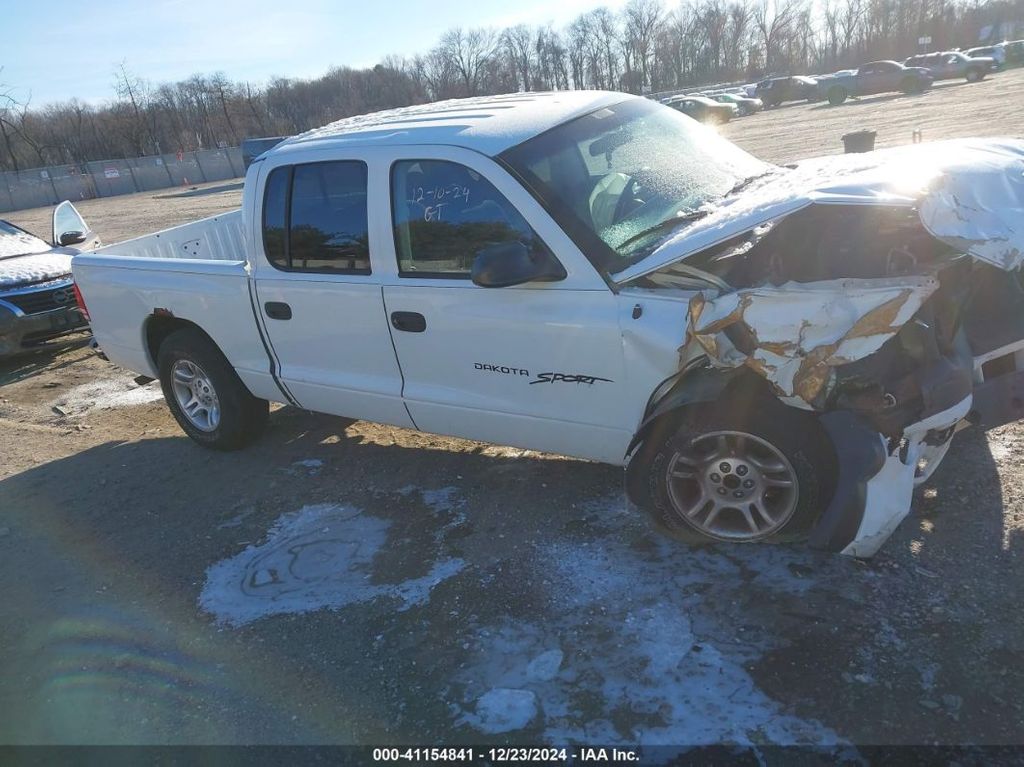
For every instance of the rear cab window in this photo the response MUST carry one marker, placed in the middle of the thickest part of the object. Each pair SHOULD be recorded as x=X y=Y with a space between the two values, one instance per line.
x=315 y=218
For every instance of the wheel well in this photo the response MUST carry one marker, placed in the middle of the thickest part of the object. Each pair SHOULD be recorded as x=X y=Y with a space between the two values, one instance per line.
x=159 y=327
x=696 y=387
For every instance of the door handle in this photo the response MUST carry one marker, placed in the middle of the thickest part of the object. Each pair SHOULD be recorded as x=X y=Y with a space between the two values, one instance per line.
x=278 y=310
x=410 y=322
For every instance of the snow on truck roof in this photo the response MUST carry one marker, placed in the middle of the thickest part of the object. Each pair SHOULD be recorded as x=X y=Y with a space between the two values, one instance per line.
x=488 y=124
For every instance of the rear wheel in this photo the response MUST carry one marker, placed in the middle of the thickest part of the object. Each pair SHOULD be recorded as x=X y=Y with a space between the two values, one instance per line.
x=837 y=95
x=717 y=477
x=974 y=75
x=205 y=395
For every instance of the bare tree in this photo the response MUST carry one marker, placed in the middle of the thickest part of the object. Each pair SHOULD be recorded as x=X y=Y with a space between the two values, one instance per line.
x=136 y=90
x=468 y=52
x=642 y=20
x=774 y=20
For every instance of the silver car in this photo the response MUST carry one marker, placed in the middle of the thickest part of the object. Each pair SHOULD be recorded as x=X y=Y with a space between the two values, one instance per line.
x=37 y=295
x=952 y=65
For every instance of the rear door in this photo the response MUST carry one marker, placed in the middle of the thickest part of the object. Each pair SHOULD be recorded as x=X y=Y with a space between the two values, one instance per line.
x=318 y=298
x=538 y=365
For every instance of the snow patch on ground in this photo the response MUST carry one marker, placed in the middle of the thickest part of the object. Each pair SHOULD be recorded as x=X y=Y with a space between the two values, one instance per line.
x=444 y=503
x=117 y=391
x=318 y=557
x=629 y=650
x=308 y=467
x=503 y=710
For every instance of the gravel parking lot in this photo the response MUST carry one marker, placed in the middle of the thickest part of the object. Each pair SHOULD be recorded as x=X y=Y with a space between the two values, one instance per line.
x=346 y=582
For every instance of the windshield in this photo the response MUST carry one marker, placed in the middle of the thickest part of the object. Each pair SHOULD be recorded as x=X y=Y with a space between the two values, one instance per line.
x=616 y=178
x=18 y=242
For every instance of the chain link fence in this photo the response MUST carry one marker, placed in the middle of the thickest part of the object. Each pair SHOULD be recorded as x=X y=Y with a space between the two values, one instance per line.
x=39 y=187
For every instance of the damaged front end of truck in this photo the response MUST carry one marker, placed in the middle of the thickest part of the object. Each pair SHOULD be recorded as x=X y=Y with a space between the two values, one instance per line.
x=880 y=292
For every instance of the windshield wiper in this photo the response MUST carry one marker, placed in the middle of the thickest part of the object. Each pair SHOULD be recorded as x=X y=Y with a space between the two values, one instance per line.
x=742 y=184
x=667 y=224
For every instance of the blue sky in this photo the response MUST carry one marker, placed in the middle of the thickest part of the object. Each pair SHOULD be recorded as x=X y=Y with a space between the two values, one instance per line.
x=59 y=49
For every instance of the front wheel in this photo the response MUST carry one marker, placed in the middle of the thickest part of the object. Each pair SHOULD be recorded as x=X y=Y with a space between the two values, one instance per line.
x=719 y=478
x=205 y=395
x=837 y=95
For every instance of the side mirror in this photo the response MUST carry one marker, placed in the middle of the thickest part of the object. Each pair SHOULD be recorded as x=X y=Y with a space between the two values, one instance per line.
x=68 y=226
x=513 y=263
x=71 y=238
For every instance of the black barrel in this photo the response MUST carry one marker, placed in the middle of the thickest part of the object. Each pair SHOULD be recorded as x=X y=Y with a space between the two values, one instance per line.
x=859 y=141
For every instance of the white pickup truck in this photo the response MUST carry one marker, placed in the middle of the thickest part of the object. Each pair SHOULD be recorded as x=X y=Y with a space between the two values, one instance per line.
x=773 y=352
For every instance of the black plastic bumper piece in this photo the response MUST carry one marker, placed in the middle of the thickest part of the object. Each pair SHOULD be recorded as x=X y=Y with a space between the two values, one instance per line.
x=998 y=401
x=18 y=332
x=860 y=455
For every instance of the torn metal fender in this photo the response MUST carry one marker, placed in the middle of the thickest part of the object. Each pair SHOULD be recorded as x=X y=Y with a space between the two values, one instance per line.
x=692 y=386
x=795 y=334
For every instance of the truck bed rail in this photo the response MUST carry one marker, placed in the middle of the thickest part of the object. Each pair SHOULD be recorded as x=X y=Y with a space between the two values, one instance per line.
x=217 y=238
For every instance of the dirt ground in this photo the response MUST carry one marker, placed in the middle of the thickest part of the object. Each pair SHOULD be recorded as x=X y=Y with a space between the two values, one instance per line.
x=344 y=582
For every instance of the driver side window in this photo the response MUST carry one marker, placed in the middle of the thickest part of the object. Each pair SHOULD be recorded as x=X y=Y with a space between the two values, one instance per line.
x=445 y=213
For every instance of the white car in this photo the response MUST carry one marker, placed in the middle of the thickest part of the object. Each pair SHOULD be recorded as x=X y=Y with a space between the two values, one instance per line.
x=773 y=353
x=996 y=52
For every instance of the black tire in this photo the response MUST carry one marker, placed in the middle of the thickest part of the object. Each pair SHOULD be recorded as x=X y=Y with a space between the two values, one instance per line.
x=242 y=416
x=974 y=75
x=794 y=433
x=837 y=94
x=911 y=86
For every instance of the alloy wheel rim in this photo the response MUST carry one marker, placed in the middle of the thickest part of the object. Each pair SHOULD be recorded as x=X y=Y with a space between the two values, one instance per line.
x=195 y=394
x=732 y=486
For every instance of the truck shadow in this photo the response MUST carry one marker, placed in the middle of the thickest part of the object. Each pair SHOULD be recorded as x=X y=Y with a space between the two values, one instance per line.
x=864 y=101
x=439 y=555
x=52 y=355
x=233 y=186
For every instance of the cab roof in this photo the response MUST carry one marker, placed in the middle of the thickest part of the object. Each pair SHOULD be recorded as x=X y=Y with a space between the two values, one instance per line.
x=487 y=124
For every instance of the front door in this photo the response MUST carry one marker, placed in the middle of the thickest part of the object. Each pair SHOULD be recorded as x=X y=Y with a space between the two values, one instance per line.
x=318 y=298
x=537 y=366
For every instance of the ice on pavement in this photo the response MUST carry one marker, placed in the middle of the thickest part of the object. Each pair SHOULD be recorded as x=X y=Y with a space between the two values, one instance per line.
x=317 y=557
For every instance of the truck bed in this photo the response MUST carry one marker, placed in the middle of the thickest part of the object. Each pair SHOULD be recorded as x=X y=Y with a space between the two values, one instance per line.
x=217 y=238
x=195 y=273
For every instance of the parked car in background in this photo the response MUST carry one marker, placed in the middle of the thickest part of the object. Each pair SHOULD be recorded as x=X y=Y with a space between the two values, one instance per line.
x=37 y=298
x=254 y=147
x=774 y=353
x=1014 y=53
x=703 y=109
x=952 y=65
x=776 y=91
x=874 y=77
x=996 y=52
x=744 y=106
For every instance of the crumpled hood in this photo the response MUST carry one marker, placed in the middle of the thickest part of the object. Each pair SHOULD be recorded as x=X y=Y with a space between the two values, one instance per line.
x=969 y=194
x=23 y=270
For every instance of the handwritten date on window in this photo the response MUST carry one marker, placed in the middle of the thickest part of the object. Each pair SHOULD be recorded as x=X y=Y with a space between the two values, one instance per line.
x=434 y=200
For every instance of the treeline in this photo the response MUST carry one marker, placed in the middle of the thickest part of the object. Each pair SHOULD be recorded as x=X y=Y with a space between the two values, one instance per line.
x=648 y=46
